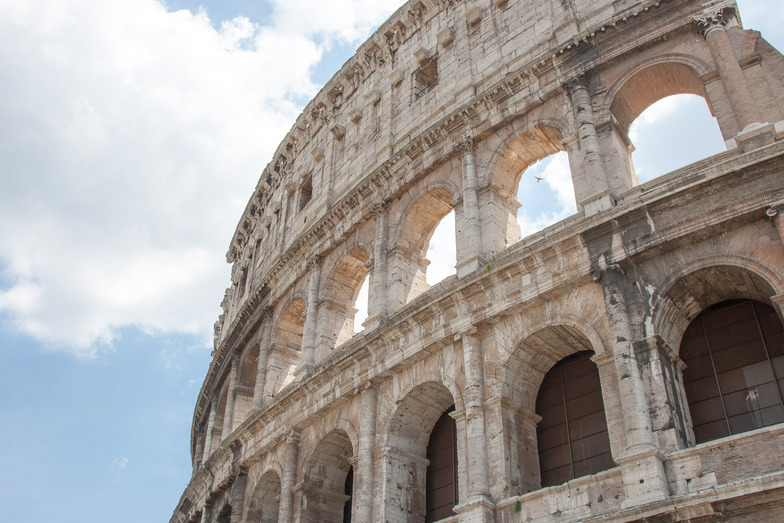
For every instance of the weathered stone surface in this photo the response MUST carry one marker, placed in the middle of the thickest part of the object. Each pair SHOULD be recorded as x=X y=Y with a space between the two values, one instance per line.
x=442 y=109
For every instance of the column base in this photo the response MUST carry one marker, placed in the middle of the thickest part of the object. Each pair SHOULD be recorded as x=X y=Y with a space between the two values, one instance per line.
x=478 y=508
x=470 y=265
x=644 y=478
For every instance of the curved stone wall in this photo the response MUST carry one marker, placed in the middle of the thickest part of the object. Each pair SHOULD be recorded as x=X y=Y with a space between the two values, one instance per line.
x=442 y=110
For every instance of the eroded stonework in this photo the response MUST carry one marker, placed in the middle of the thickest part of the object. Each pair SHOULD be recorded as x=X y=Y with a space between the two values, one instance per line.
x=441 y=110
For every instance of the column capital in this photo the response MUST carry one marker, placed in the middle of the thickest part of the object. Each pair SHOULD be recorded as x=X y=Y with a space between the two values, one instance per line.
x=379 y=208
x=599 y=275
x=574 y=83
x=314 y=262
x=472 y=331
x=716 y=16
x=465 y=145
x=775 y=210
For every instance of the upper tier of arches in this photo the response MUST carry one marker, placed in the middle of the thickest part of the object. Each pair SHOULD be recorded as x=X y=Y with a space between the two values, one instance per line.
x=359 y=185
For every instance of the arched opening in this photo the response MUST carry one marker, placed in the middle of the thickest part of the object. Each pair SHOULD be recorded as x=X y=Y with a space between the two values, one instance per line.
x=286 y=347
x=734 y=379
x=362 y=305
x=441 y=494
x=264 y=505
x=413 y=488
x=220 y=415
x=671 y=133
x=442 y=251
x=533 y=169
x=408 y=263
x=336 y=310
x=326 y=492
x=243 y=394
x=546 y=194
x=572 y=435
x=224 y=516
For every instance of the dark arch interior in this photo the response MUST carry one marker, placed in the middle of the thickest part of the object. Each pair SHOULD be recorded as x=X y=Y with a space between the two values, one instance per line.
x=734 y=352
x=572 y=435
x=441 y=484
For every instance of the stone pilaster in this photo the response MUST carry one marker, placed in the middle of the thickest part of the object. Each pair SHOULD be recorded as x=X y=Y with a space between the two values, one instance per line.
x=311 y=317
x=712 y=26
x=228 y=414
x=469 y=248
x=365 y=460
x=662 y=372
x=598 y=194
x=261 y=366
x=378 y=305
x=641 y=463
x=476 y=436
x=289 y=480
x=210 y=428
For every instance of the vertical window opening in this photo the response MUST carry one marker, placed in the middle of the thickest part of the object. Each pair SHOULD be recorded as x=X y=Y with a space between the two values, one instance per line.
x=305 y=192
x=348 y=490
x=572 y=435
x=441 y=251
x=441 y=483
x=734 y=352
x=426 y=77
x=546 y=194
x=673 y=132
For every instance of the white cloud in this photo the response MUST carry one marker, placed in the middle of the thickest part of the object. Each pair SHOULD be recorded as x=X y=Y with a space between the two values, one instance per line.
x=557 y=176
x=130 y=141
x=118 y=464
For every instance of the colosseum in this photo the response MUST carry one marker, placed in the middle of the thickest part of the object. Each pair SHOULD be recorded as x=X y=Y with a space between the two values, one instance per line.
x=624 y=364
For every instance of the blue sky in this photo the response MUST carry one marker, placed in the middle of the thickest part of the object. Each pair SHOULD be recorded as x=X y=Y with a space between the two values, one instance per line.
x=131 y=136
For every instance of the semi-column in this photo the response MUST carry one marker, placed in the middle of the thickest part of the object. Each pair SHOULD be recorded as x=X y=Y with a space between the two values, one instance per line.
x=290 y=456
x=475 y=415
x=641 y=463
x=261 y=367
x=378 y=302
x=735 y=85
x=365 y=458
x=469 y=249
x=311 y=317
x=594 y=191
x=210 y=427
x=228 y=414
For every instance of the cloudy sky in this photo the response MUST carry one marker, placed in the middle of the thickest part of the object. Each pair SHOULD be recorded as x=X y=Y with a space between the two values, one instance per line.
x=132 y=133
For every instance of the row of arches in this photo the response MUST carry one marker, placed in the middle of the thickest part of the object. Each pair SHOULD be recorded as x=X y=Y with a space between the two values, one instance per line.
x=734 y=350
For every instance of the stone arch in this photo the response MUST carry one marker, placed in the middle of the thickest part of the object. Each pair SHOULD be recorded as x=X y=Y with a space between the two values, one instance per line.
x=286 y=349
x=705 y=282
x=732 y=380
x=246 y=382
x=264 y=502
x=650 y=81
x=324 y=487
x=220 y=414
x=523 y=148
x=408 y=435
x=337 y=305
x=542 y=346
x=408 y=262
x=511 y=154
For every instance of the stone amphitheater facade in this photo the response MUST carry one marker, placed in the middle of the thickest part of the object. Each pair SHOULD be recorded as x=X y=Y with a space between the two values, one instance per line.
x=625 y=364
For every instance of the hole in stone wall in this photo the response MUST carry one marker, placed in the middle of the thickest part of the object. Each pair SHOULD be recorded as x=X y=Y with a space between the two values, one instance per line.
x=305 y=192
x=441 y=252
x=546 y=194
x=426 y=77
x=672 y=133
